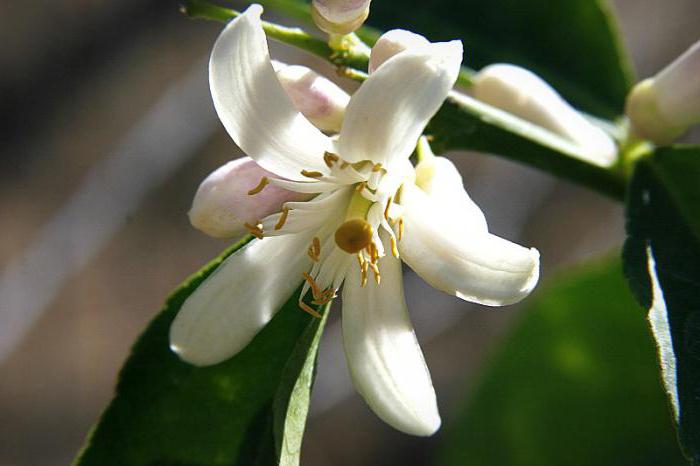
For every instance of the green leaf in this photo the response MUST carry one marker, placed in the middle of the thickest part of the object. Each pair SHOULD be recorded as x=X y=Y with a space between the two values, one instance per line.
x=662 y=263
x=574 y=384
x=248 y=410
x=573 y=44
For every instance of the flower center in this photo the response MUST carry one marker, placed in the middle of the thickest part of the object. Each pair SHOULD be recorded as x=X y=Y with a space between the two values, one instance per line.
x=354 y=235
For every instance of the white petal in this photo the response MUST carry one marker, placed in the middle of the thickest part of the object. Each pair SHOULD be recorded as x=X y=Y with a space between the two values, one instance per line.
x=254 y=108
x=222 y=204
x=234 y=303
x=473 y=265
x=392 y=42
x=386 y=364
x=389 y=111
x=521 y=92
x=439 y=178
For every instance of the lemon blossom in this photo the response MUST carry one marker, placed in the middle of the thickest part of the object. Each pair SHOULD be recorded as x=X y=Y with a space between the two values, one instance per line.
x=370 y=209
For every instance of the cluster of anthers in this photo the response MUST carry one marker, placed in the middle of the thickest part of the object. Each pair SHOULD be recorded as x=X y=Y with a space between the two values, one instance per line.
x=372 y=204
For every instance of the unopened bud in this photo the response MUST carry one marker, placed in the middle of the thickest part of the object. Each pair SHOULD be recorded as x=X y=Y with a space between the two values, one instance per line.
x=392 y=42
x=524 y=94
x=339 y=16
x=665 y=106
x=223 y=204
x=318 y=98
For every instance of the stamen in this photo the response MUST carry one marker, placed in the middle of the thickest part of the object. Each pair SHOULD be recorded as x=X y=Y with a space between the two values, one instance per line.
x=330 y=158
x=261 y=185
x=373 y=252
x=255 y=230
x=375 y=270
x=361 y=186
x=376 y=167
x=363 y=277
x=316 y=243
x=394 y=249
x=310 y=174
x=400 y=228
x=283 y=218
x=305 y=307
x=327 y=296
x=314 y=287
x=344 y=165
x=397 y=194
x=386 y=209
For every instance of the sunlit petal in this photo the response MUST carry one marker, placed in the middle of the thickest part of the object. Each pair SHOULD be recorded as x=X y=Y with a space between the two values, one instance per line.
x=253 y=106
x=386 y=364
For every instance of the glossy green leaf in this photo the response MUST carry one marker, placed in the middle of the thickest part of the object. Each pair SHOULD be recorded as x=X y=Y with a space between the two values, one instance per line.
x=248 y=410
x=574 y=384
x=662 y=263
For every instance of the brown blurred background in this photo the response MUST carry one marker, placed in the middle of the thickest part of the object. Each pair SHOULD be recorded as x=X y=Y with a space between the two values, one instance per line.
x=107 y=131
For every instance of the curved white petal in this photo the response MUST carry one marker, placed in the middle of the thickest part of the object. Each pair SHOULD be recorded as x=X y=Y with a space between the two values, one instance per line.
x=439 y=178
x=235 y=302
x=386 y=364
x=253 y=106
x=389 y=111
x=470 y=264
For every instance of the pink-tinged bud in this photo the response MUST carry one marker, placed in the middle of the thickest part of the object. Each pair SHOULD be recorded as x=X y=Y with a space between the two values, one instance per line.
x=318 y=98
x=222 y=204
x=392 y=42
x=665 y=106
x=339 y=16
x=526 y=95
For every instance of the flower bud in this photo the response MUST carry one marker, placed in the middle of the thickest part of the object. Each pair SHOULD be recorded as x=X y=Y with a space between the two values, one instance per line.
x=665 y=106
x=523 y=93
x=222 y=204
x=318 y=98
x=339 y=16
x=392 y=42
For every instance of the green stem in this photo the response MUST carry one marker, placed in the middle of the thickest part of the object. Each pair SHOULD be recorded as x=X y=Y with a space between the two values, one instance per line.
x=468 y=124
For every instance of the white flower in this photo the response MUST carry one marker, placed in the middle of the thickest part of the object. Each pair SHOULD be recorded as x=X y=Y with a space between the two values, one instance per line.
x=392 y=42
x=663 y=107
x=523 y=93
x=339 y=16
x=367 y=213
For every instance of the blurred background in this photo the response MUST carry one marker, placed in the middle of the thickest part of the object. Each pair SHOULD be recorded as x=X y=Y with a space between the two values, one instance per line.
x=107 y=130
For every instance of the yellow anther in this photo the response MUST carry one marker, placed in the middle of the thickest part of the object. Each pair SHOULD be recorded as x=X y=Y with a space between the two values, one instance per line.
x=400 y=228
x=315 y=249
x=394 y=249
x=309 y=174
x=376 y=167
x=305 y=307
x=375 y=270
x=386 y=209
x=354 y=235
x=373 y=252
x=261 y=185
x=255 y=230
x=330 y=158
x=283 y=218
x=363 y=277
x=314 y=287
x=360 y=186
